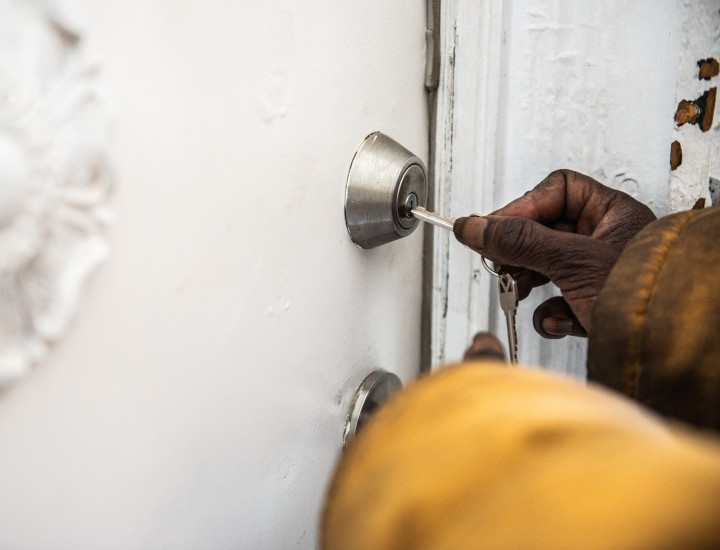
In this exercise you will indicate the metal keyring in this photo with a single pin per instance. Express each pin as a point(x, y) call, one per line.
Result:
point(489, 269)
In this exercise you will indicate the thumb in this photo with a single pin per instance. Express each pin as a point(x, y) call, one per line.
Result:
point(554, 318)
point(525, 243)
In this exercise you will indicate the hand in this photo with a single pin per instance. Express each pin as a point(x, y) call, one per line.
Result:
point(570, 230)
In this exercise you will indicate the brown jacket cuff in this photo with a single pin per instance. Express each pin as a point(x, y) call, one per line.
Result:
point(656, 323)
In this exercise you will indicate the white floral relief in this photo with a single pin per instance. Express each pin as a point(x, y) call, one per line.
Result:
point(54, 180)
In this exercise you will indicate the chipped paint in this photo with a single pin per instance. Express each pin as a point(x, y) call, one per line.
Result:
point(697, 77)
point(708, 68)
point(688, 112)
point(675, 155)
point(699, 111)
point(707, 104)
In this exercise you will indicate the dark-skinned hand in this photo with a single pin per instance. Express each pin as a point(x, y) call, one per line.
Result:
point(569, 230)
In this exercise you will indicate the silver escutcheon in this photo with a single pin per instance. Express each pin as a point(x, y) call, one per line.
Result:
point(375, 390)
point(384, 184)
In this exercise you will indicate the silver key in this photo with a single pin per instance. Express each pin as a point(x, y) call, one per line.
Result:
point(509, 302)
point(431, 217)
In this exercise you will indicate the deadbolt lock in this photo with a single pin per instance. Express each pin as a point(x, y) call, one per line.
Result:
point(385, 182)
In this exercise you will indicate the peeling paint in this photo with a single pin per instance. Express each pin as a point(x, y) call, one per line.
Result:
point(697, 77)
point(675, 155)
point(708, 68)
point(708, 108)
point(688, 112)
point(700, 111)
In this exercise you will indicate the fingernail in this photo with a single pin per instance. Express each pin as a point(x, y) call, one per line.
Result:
point(558, 326)
point(470, 231)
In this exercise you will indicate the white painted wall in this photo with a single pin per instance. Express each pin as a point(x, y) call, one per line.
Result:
point(200, 398)
point(547, 84)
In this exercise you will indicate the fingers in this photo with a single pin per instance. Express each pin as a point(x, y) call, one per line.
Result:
point(471, 231)
point(562, 195)
point(555, 319)
point(485, 346)
point(577, 264)
point(570, 201)
point(525, 243)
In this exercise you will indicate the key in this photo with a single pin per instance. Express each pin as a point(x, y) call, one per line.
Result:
point(509, 302)
point(506, 283)
point(431, 217)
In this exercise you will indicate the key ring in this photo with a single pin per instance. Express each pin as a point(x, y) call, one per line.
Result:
point(489, 269)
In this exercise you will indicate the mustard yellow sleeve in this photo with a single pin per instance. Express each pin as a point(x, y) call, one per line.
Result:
point(483, 456)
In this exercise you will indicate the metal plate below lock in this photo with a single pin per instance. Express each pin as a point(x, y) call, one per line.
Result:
point(377, 388)
point(385, 182)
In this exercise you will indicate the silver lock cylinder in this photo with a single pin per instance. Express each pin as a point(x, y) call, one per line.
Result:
point(385, 182)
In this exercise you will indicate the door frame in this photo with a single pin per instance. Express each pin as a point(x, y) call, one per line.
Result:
point(467, 35)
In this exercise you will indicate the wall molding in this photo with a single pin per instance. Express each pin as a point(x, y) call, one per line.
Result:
point(55, 179)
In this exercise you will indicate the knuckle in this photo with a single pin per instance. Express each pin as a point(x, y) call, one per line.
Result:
point(560, 173)
point(558, 177)
point(512, 238)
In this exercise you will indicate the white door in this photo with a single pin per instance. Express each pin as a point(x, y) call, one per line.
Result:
point(199, 398)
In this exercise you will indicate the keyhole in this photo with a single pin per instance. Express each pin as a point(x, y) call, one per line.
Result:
point(411, 201)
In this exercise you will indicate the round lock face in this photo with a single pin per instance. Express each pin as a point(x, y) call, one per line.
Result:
point(385, 182)
point(375, 390)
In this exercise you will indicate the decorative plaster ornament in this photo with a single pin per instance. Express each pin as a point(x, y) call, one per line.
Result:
point(54, 180)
